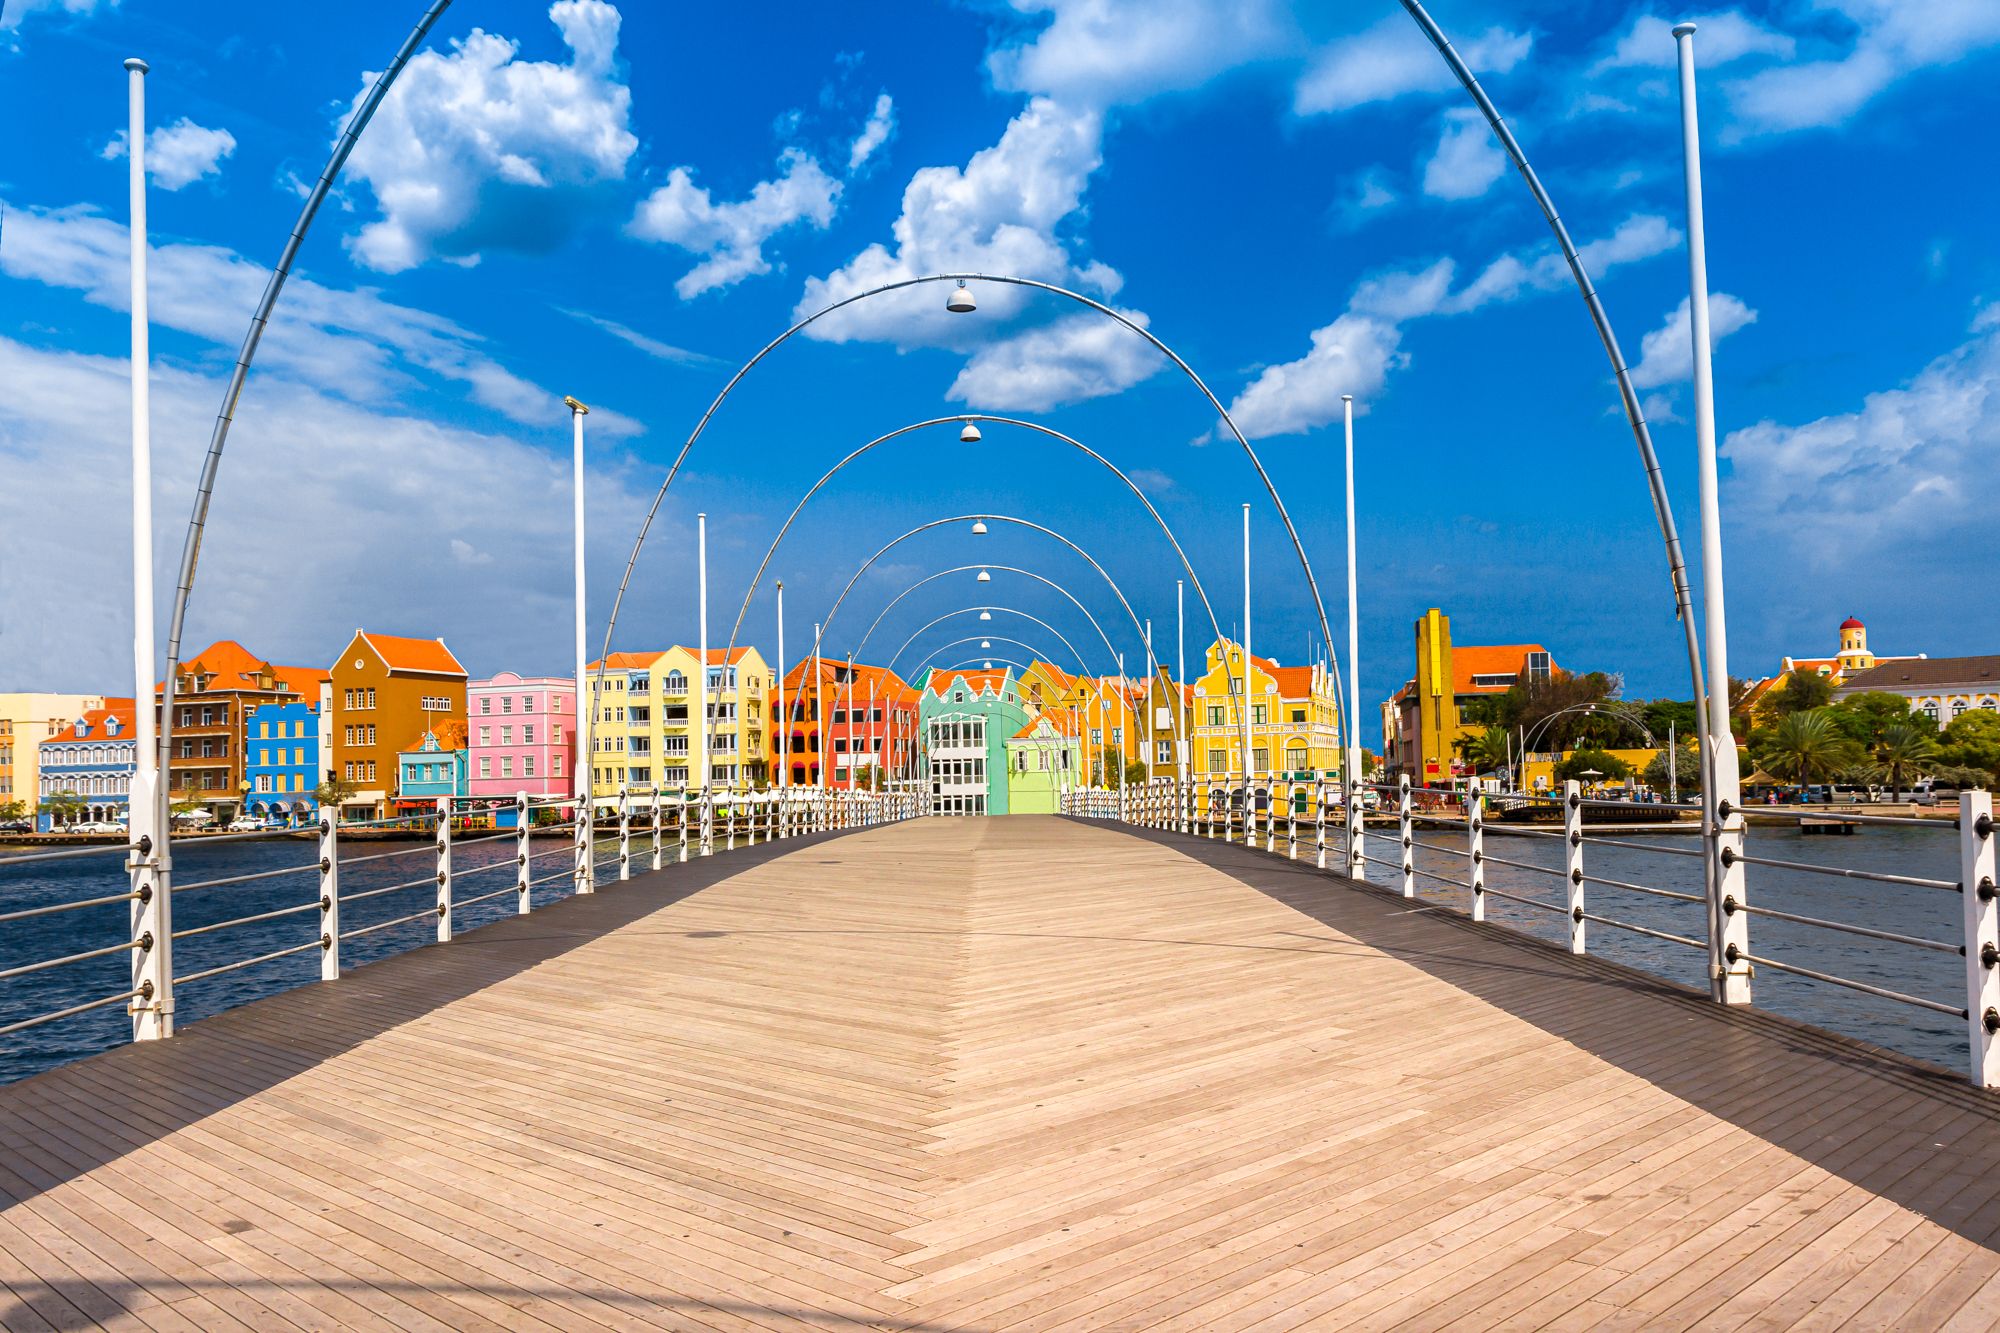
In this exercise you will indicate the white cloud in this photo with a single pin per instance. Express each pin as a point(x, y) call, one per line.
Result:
point(1666, 355)
point(1077, 357)
point(730, 237)
point(1467, 161)
point(14, 13)
point(1393, 59)
point(1892, 39)
point(1355, 353)
point(652, 347)
point(881, 123)
point(1720, 39)
point(383, 489)
point(475, 149)
point(352, 343)
point(1905, 482)
point(1103, 53)
point(998, 214)
point(178, 154)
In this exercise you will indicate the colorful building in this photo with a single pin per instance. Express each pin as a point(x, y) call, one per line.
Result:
point(92, 760)
point(520, 737)
point(27, 718)
point(646, 732)
point(1940, 688)
point(1853, 659)
point(871, 724)
point(432, 768)
point(1166, 722)
point(966, 719)
point(386, 691)
point(1044, 760)
point(1295, 730)
point(214, 694)
point(1424, 721)
point(281, 762)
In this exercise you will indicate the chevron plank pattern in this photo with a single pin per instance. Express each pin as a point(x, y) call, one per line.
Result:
point(1017, 1073)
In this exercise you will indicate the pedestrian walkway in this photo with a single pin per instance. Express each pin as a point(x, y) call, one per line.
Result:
point(995, 1074)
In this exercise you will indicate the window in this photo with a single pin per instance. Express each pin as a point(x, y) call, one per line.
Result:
point(370, 729)
point(506, 703)
point(506, 735)
point(528, 734)
point(370, 703)
point(506, 765)
point(555, 737)
point(346, 701)
point(1218, 761)
point(1097, 735)
point(1295, 758)
point(1256, 715)
point(527, 765)
point(349, 775)
point(1298, 715)
point(555, 765)
point(1215, 715)
point(485, 736)
point(1118, 735)
point(1260, 759)
point(485, 765)
point(369, 764)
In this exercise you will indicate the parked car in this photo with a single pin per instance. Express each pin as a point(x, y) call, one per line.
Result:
point(18, 826)
point(245, 824)
point(97, 826)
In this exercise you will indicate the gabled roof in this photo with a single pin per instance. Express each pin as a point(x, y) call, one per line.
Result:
point(636, 661)
point(1054, 674)
point(95, 719)
point(1294, 682)
point(426, 657)
point(232, 666)
point(1060, 720)
point(451, 735)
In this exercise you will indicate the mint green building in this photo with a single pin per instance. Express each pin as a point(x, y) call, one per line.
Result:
point(1043, 761)
point(966, 719)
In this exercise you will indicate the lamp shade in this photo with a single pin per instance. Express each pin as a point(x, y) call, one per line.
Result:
point(986, 615)
point(984, 577)
point(970, 435)
point(960, 301)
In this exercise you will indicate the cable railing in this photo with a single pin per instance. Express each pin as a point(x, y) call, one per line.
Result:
point(1295, 818)
point(338, 884)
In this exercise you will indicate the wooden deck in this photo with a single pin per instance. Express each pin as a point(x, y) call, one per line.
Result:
point(995, 1074)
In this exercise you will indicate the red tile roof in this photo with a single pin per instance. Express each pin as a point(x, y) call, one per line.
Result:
point(121, 709)
point(626, 661)
point(428, 657)
point(1499, 659)
point(235, 667)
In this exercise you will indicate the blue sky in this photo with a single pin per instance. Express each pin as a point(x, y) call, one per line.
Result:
point(623, 203)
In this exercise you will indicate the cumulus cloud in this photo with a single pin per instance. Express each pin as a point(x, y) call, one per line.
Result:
point(1356, 353)
point(1891, 40)
point(881, 123)
point(1468, 160)
point(1666, 355)
point(1103, 53)
point(475, 149)
point(178, 154)
point(730, 237)
point(14, 13)
point(1076, 358)
point(1721, 39)
point(351, 343)
point(1903, 480)
point(386, 490)
point(1393, 59)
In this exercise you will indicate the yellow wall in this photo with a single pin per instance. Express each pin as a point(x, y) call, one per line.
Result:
point(616, 764)
point(1539, 774)
point(36, 717)
point(1218, 733)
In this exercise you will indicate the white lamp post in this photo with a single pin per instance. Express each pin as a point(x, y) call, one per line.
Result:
point(585, 872)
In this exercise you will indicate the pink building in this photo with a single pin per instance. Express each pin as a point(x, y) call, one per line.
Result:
point(521, 735)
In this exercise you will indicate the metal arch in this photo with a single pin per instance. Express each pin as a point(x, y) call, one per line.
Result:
point(1618, 708)
point(1012, 611)
point(967, 664)
point(1291, 530)
point(1034, 650)
point(1115, 470)
point(211, 465)
point(961, 569)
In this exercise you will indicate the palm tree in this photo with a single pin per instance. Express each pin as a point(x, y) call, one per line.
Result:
point(1807, 747)
point(1487, 750)
point(1903, 746)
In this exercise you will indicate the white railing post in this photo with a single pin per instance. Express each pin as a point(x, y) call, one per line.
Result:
point(444, 869)
point(735, 812)
point(1357, 832)
point(1291, 822)
point(1406, 834)
point(524, 865)
point(658, 857)
point(1319, 824)
point(583, 874)
point(1732, 893)
point(706, 813)
point(329, 896)
point(1475, 834)
point(624, 832)
point(1979, 884)
point(1573, 860)
point(683, 822)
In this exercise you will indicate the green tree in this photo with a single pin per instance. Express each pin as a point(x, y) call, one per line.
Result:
point(1679, 714)
point(333, 793)
point(1607, 766)
point(1972, 741)
point(1960, 777)
point(1865, 718)
point(1135, 772)
point(1807, 747)
point(1904, 748)
point(1528, 703)
point(1486, 750)
point(1802, 692)
point(62, 807)
point(13, 809)
point(1686, 759)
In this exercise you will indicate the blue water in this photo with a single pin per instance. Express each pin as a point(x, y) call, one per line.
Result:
point(63, 933)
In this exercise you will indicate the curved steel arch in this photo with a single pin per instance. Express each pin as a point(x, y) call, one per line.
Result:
point(968, 664)
point(1291, 530)
point(1034, 650)
point(879, 440)
point(211, 465)
point(1013, 611)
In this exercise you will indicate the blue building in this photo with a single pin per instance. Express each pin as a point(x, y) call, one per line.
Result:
point(281, 762)
point(435, 766)
point(88, 768)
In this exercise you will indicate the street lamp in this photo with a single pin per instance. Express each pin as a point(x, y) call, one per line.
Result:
point(984, 577)
point(970, 435)
point(960, 301)
point(979, 525)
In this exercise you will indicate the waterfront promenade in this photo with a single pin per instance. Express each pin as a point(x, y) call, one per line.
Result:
point(989, 1074)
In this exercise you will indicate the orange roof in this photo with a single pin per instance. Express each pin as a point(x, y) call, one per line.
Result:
point(1294, 682)
point(95, 718)
point(715, 655)
point(236, 667)
point(886, 683)
point(451, 734)
point(1054, 674)
point(626, 661)
point(1060, 720)
point(425, 656)
point(1499, 659)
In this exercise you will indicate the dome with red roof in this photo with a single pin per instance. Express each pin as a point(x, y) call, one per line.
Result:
point(1852, 623)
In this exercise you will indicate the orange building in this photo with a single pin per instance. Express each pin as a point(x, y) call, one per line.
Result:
point(1422, 723)
point(868, 721)
point(214, 695)
point(386, 689)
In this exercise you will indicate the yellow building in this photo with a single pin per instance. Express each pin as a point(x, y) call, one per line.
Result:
point(1162, 729)
point(1294, 720)
point(645, 730)
point(26, 720)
